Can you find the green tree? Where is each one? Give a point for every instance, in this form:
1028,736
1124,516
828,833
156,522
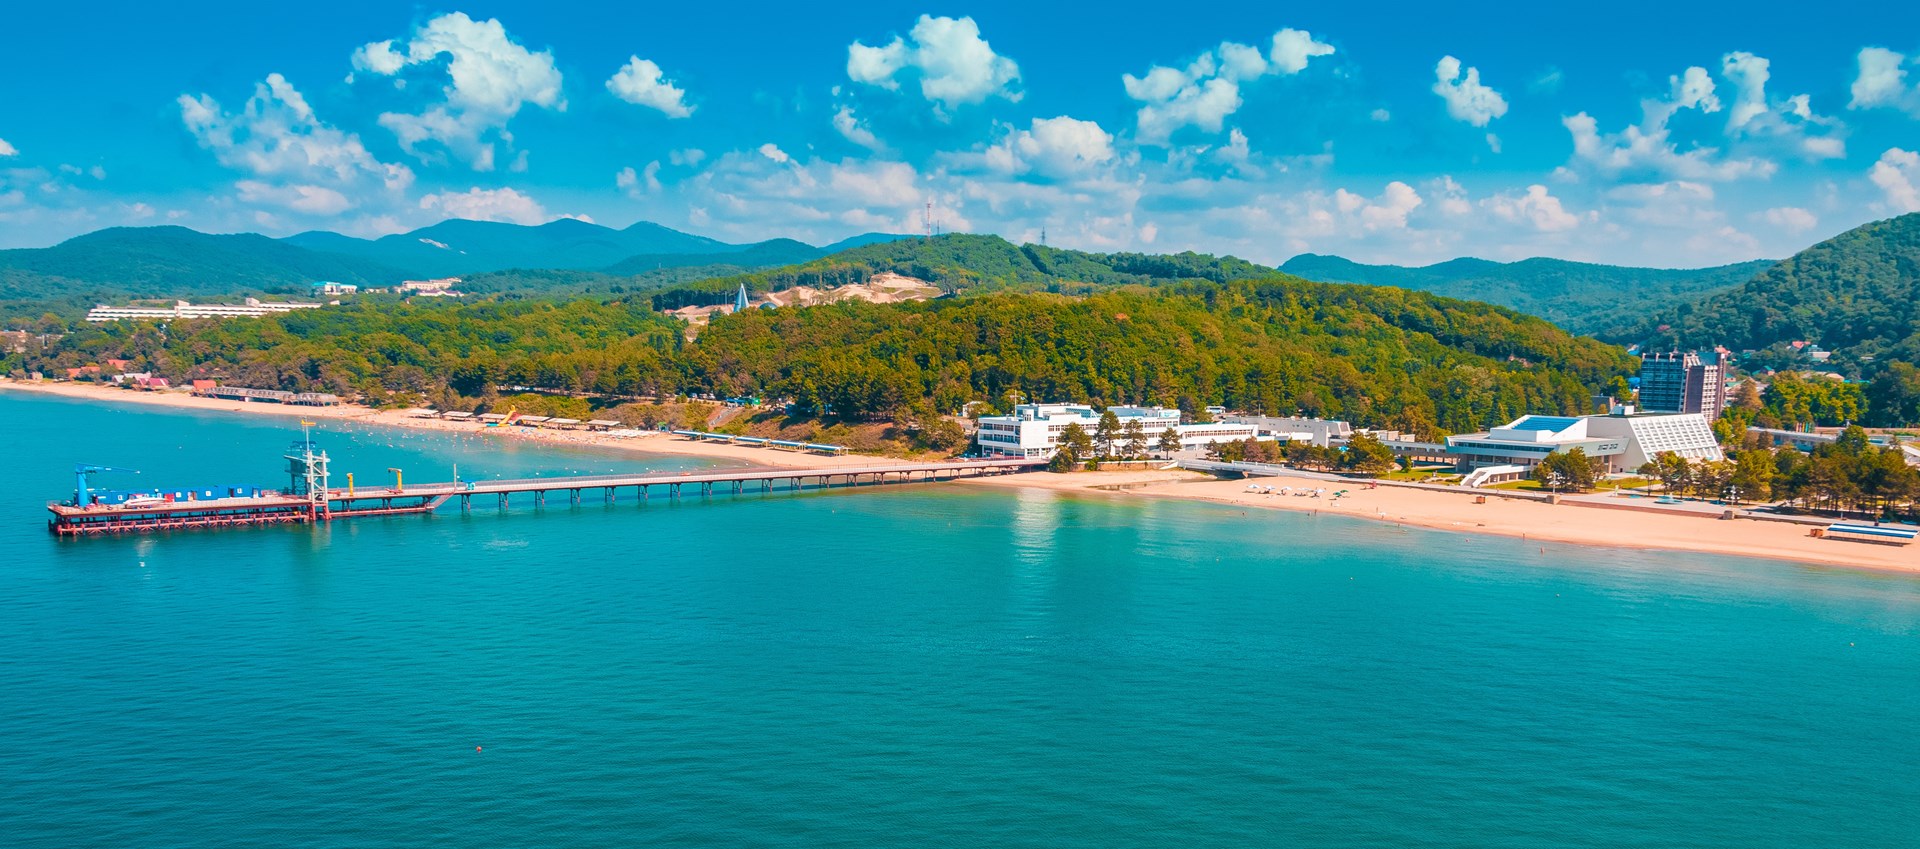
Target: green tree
1075,442
1134,439
1893,397
1169,441
1566,470
1106,432
1752,478
1366,454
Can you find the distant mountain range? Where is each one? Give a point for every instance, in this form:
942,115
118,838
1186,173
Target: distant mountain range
1605,300
154,262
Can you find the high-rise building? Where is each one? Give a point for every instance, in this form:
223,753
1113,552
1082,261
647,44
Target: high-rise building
1676,382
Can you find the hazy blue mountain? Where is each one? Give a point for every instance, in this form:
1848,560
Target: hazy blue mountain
465,247
168,262
1582,297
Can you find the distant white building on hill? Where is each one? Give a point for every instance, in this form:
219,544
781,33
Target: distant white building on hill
1034,430
253,308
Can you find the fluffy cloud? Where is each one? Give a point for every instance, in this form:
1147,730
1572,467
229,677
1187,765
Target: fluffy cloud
1882,81
1791,120
489,79
1467,99
297,161
773,152
1898,176
1648,148
1059,147
7,149
855,130
1205,92
311,200
1387,211
641,83
1792,219
637,183
487,205
1537,209
955,65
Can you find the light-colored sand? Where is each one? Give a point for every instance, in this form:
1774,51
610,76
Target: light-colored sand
1531,520
651,443
1447,511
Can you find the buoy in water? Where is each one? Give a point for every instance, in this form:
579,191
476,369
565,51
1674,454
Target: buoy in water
476,748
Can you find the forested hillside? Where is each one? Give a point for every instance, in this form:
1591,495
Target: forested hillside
1605,300
1377,355
963,262
1856,294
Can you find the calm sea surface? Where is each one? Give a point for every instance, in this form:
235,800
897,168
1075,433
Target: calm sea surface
913,666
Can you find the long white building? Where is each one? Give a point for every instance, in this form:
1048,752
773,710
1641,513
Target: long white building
253,308
1034,430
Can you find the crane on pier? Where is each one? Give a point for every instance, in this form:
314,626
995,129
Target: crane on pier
82,485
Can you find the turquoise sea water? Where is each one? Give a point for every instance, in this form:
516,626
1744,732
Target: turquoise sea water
911,666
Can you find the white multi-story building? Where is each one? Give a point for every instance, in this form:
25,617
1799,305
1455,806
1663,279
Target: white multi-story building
1034,430
253,308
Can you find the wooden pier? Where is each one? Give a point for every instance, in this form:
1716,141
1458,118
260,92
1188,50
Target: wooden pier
331,503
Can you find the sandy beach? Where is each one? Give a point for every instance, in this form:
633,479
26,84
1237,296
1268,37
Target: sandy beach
1446,511
648,443
1530,520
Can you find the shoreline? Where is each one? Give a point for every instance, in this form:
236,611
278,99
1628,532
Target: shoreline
654,442
1532,521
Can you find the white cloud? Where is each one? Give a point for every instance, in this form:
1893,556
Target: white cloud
297,161
1537,209
773,152
638,183
1388,211
855,130
1881,81
955,65
641,83
1790,121
7,149
1204,93
1381,115
1648,146
1292,48
1792,219
311,200
1053,147
489,79
479,204
687,156
1467,99
1897,173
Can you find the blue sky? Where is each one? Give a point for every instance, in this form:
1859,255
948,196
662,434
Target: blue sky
1656,134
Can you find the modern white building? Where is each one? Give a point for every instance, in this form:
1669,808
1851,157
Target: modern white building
1320,432
1034,430
253,308
1622,440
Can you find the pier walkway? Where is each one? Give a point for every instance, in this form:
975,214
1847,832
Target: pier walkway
340,503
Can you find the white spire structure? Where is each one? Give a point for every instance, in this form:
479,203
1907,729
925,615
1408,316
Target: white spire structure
740,299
